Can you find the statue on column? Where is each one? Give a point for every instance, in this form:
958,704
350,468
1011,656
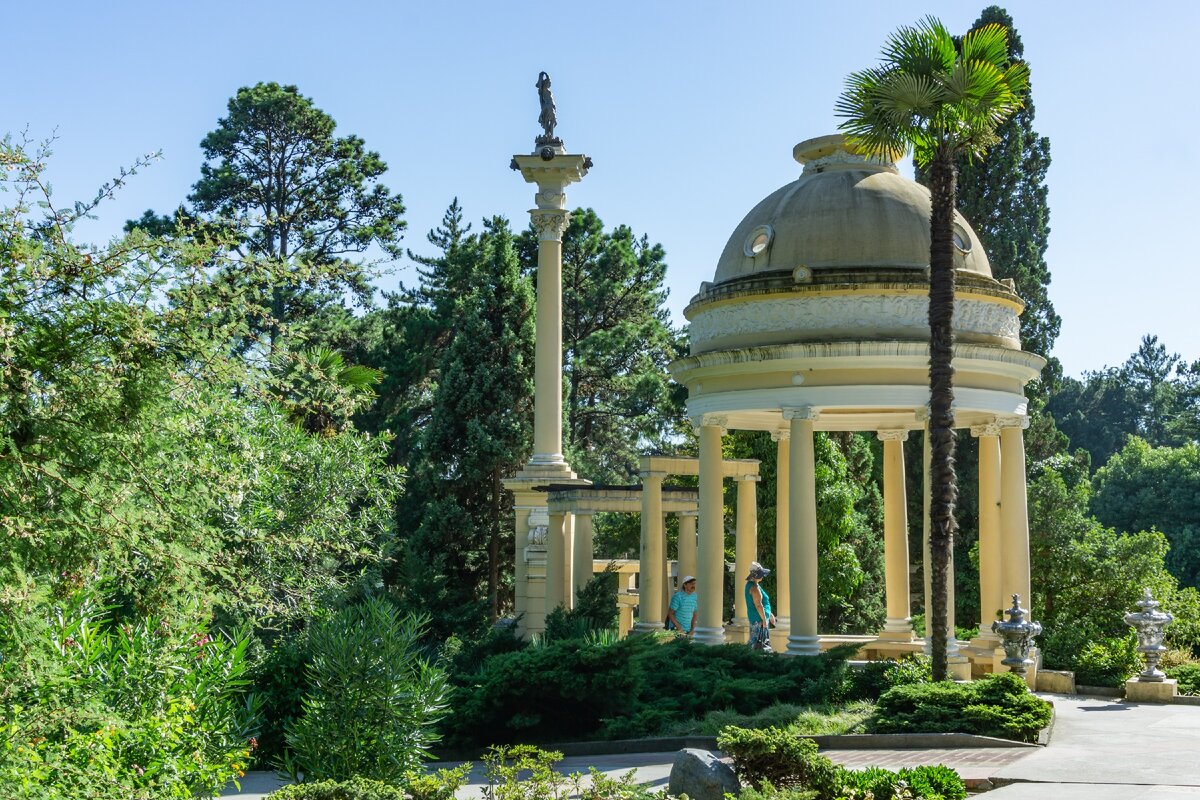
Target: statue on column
547,119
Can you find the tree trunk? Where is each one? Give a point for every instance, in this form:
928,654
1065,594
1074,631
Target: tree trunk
943,483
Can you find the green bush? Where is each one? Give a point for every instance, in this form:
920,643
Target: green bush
1107,662
769,792
150,709
639,686
996,705
441,785
875,677
779,757
808,720
928,783
353,789
1188,676
373,698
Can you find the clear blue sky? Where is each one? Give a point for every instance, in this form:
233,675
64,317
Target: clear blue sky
689,110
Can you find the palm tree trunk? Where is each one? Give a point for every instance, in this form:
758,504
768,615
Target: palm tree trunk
943,483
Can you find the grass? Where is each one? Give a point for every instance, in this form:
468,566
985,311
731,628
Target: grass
823,720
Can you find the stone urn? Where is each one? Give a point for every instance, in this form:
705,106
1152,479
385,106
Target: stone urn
1149,624
1016,636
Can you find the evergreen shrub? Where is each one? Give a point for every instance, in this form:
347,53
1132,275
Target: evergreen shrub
353,789
373,698
996,705
585,689
874,678
1188,676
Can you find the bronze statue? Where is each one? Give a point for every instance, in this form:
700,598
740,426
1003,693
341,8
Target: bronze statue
547,119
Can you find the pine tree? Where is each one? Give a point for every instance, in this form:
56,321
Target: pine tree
478,433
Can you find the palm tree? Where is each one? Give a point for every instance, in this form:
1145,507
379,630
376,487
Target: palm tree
943,98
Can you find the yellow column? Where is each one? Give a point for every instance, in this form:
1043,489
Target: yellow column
895,538
557,576
652,568
991,593
548,368
1014,512
687,543
783,571
710,555
803,640
582,552
745,551
521,568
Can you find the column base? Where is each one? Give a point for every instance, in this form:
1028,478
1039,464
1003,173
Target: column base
986,640
959,667
647,627
897,630
737,631
779,634
709,635
803,646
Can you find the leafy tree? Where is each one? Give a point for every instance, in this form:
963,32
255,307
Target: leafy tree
945,100
617,342
138,452
294,194
1154,395
1155,488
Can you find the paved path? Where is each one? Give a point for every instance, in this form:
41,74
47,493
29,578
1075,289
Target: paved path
1100,749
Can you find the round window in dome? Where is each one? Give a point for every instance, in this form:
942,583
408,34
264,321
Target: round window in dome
961,240
759,240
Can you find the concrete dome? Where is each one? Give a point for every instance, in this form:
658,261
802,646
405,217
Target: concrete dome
845,211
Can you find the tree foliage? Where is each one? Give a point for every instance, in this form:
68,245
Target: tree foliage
285,189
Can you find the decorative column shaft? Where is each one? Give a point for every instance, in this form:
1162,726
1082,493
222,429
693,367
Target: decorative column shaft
582,551
653,558
803,640
745,548
783,566
687,544
991,585
558,577
895,538
710,556
1014,511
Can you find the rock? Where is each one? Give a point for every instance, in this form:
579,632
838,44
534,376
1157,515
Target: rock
701,776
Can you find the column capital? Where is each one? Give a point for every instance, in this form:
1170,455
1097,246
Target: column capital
892,435
1018,421
692,513
802,412
653,475
987,429
556,172
710,420
752,478
550,223
781,435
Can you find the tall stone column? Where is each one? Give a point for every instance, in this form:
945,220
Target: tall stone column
583,550
1014,510
687,544
551,169
745,550
558,575
653,556
710,556
783,566
803,640
991,592
895,538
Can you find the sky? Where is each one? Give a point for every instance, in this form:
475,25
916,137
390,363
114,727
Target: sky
688,109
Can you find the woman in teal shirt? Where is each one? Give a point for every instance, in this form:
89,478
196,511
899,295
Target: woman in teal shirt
758,608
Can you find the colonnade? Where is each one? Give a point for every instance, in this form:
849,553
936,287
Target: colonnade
1003,546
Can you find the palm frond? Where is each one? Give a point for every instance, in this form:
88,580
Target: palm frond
988,44
924,48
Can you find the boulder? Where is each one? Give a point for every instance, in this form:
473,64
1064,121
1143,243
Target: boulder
702,776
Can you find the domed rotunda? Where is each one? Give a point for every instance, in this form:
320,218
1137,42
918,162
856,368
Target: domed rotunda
817,320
